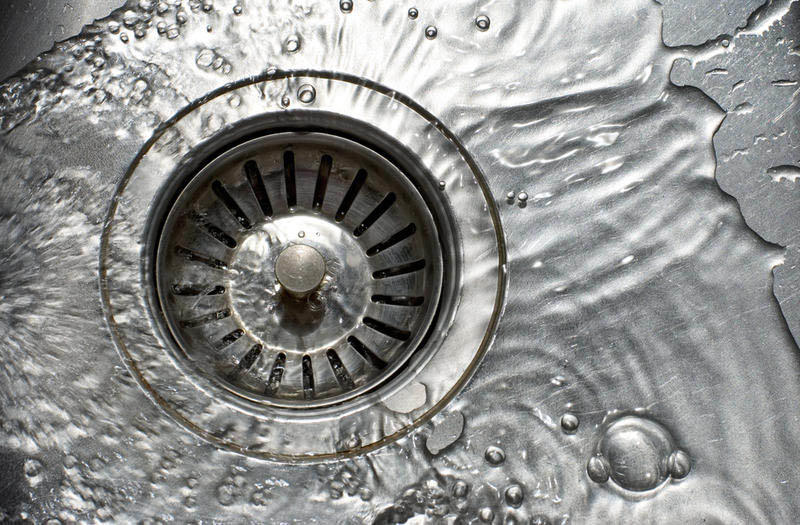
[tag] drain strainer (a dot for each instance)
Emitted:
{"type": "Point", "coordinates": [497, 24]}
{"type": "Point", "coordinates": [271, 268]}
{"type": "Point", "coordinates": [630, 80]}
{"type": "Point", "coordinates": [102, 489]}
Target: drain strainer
{"type": "Point", "coordinates": [301, 269]}
{"type": "Point", "coordinates": [306, 283]}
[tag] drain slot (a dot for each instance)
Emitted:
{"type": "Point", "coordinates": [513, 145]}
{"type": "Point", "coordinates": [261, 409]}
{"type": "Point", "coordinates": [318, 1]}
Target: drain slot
{"type": "Point", "coordinates": [289, 177]}
{"type": "Point", "coordinates": [350, 196]}
{"type": "Point", "coordinates": [375, 214]}
{"type": "Point", "coordinates": [395, 238]}
{"type": "Point", "coordinates": [367, 354]}
{"type": "Point", "coordinates": [253, 175]}
{"type": "Point", "coordinates": [322, 181]}
{"type": "Point", "coordinates": [226, 199]}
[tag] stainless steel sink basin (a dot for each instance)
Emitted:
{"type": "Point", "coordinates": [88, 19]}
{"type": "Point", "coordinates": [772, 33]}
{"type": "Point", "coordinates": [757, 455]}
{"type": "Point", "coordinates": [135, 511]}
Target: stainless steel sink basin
{"type": "Point", "coordinates": [376, 262]}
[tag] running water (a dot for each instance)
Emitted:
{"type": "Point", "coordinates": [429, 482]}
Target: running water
{"type": "Point", "coordinates": [636, 293]}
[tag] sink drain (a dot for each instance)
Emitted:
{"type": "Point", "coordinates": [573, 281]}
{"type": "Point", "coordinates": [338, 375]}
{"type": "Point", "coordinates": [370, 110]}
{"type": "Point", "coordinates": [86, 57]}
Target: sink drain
{"type": "Point", "coordinates": [300, 284]}
{"type": "Point", "coordinates": [304, 269]}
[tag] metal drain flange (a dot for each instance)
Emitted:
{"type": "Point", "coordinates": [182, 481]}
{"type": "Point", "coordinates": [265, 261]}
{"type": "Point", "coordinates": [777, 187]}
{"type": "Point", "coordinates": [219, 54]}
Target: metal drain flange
{"type": "Point", "coordinates": [301, 284]}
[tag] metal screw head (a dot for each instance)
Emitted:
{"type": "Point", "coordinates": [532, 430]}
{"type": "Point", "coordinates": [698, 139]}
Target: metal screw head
{"type": "Point", "coordinates": [300, 269]}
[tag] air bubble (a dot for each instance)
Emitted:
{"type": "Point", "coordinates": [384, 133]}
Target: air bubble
{"type": "Point", "coordinates": [494, 455]}
{"type": "Point", "coordinates": [413, 13]}
{"type": "Point", "coordinates": [638, 454]}
{"type": "Point", "coordinates": [292, 44]}
{"type": "Point", "coordinates": [598, 468]}
{"type": "Point", "coordinates": [514, 495]}
{"type": "Point", "coordinates": [460, 489]}
{"type": "Point", "coordinates": [431, 32]}
{"type": "Point", "coordinates": [346, 6]}
{"type": "Point", "coordinates": [482, 23]}
{"type": "Point", "coordinates": [205, 58]}
{"type": "Point", "coordinates": [569, 422]}
{"type": "Point", "coordinates": [306, 93]}
{"type": "Point", "coordinates": [679, 464]}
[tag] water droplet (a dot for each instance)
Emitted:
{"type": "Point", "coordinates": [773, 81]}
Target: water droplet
{"type": "Point", "coordinates": [346, 6]}
{"type": "Point", "coordinates": [209, 28]}
{"type": "Point", "coordinates": [124, 38]}
{"type": "Point", "coordinates": [514, 495]}
{"type": "Point", "coordinates": [181, 17]}
{"type": "Point", "coordinates": [208, 5]}
{"type": "Point", "coordinates": [129, 18]}
{"type": "Point", "coordinates": [511, 197]}
{"type": "Point", "coordinates": [569, 422]}
{"type": "Point", "coordinates": [540, 520]}
{"type": "Point", "coordinates": [162, 8]}
{"type": "Point", "coordinates": [204, 58]}
{"type": "Point", "coordinates": [139, 32]}
{"type": "Point", "coordinates": [413, 13]}
{"type": "Point", "coordinates": [486, 515]}
{"type": "Point", "coordinates": [292, 44]}
{"type": "Point", "coordinates": [285, 101]}
{"type": "Point", "coordinates": [442, 185]}
{"type": "Point", "coordinates": [726, 43]}
{"type": "Point", "coordinates": [301, 234]}
{"type": "Point", "coordinates": [161, 27]}
{"type": "Point", "coordinates": [237, 10]}
{"type": "Point", "coordinates": [365, 494]}
{"type": "Point", "coordinates": [113, 27]}
{"type": "Point", "coordinates": [173, 32]}
{"type": "Point", "coordinates": [460, 489]}
{"type": "Point", "coordinates": [483, 22]}
{"type": "Point", "coordinates": [494, 455]}
{"type": "Point", "coordinates": [679, 464]}
{"type": "Point", "coordinates": [146, 5]}
{"type": "Point", "coordinates": [522, 197]}
{"type": "Point", "coordinates": [598, 468]}
{"type": "Point", "coordinates": [306, 93]}
{"type": "Point", "coordinates": [638, 454]}
{"type": "Point", "coordinates": [431, 32]}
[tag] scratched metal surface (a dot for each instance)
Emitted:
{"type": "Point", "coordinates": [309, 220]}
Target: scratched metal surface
{"type": "Point", "coordinates": [644, 337]}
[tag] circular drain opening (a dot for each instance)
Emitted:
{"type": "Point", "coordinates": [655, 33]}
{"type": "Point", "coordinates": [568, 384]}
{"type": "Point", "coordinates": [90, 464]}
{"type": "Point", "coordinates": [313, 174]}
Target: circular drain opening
{"type": "Point", "coordinates": [300, 269]}
{"type": "Point", "coordinates": [220, 271]}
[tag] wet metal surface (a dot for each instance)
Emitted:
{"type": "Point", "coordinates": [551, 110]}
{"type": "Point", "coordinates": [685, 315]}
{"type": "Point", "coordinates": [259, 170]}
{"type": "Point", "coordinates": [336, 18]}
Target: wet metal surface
{"type": "Point", "coordinates": [644, 368]}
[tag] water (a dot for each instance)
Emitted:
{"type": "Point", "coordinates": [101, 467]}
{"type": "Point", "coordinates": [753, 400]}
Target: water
{"type": "Point", "coordinates": [636, 290]}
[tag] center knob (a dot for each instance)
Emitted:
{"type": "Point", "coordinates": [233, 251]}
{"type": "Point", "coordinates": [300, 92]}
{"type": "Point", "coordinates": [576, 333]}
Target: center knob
{"type": "Point", "coordinates": [300, 269]}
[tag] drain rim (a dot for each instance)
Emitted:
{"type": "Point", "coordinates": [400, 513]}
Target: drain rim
{"type": "Point", "coordinates": [265, 434]}
{"type": "Point", "coordinates": [158, 236]}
